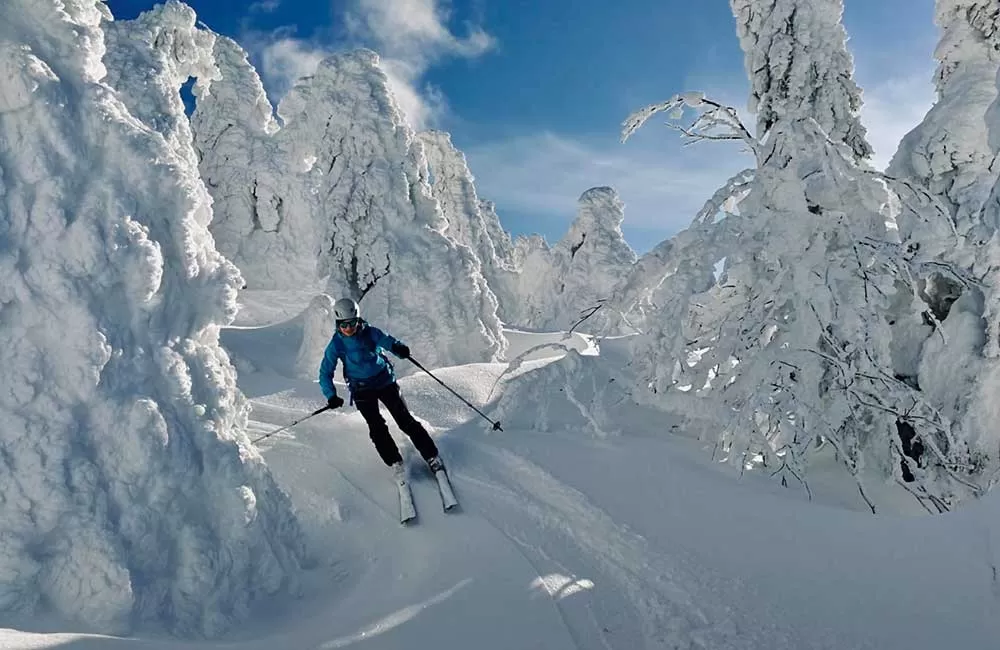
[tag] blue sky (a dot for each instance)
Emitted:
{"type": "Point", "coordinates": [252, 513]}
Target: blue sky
{"type": "Point", "coordinates": [534, 91]}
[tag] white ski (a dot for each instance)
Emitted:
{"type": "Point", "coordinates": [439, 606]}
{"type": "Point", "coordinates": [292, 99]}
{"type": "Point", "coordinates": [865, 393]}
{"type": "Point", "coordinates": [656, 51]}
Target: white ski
{"type": "Point", "coordinates": [407, 511]}
{"type": "Point", "coordinates": [448, 500]}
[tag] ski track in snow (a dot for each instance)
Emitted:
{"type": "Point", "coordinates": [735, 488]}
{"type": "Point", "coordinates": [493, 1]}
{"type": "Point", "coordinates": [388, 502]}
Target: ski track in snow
{"type": "Point", "coordinates": [609, 589]}
{"type": "Point", "coordinates": [663, 615]}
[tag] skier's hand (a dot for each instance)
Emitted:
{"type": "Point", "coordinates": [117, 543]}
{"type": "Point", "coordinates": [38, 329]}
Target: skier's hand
{"type": "Point", "coordinates": [335, 402]}
{"type": "Point", "coordinates": [401, 350]}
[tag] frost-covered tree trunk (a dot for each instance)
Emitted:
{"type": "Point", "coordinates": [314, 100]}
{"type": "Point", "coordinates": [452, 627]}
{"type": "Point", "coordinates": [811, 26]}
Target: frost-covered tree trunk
{"type": "Point", "coordinates": [799, 67]}
{"type": "Point", "coordinates": [129, 492]}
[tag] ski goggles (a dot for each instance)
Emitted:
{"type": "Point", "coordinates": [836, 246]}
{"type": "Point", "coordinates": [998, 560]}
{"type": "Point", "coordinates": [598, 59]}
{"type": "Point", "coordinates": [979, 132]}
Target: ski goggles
{"type": "Point", "coordinates": [350, 322]}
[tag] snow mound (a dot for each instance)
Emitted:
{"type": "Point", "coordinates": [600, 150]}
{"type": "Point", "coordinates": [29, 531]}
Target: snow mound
{"type": "Point", "coordinates": [131, 495]}
{"type": "Point", "coordinates": [317, 329]}
{"type": "Point", "coordinates": [576, 394]}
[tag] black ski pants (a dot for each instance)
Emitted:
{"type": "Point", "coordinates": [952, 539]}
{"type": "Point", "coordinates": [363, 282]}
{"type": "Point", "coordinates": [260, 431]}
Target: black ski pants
{"type": "Point", "coordinates": [367, 403]}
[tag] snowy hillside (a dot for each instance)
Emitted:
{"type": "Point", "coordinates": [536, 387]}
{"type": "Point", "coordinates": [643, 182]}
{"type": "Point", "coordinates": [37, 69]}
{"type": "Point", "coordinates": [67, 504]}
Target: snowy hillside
{"type": "Point", "coordinates": [582, 531]}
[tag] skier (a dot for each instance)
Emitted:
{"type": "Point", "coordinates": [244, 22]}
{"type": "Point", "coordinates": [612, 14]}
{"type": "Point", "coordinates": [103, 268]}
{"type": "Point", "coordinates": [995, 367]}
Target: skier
{"type": "Point", "coordinates": [371, 379]}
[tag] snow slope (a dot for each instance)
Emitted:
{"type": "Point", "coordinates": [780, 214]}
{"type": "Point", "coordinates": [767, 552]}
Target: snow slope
{"type": "Point", "coordinates": [577, 536]}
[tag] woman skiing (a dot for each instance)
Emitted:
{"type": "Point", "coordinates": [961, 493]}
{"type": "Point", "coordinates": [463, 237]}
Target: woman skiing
{"type": "Point", "coordinates": [370, 378]}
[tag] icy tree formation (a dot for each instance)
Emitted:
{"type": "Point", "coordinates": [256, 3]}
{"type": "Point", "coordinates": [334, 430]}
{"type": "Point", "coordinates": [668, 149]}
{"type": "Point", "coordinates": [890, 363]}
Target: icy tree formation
{"type": "Point", "coordinates": [470, 221]}
{"type": "Point", "coordinates": [805, 341]}
{"type": "Point", "coordinates": [556, 287]}
{"type": "Point", "coordinates": [587, 263]}
{"type": "Point", "coordinates": [129, 494]}
{"type": "Point", "coordinates": [341, 192]}
{"type": "Point", "coordinates": [949, 153]}
{"type": "Point", "coordinates": [799, 66]}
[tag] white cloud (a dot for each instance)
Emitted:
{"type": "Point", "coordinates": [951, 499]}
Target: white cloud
{"type": "Point", "coordinates": [284, 60]}
{"type": "Point", "coordinates": [662, 184]}
{"type": "Point", "coordinates": [410, 36]}
{"type": "Point", "coordinates": [264, 6]}
{"type": "Point", "coordinates": [420, 107]}
{"type": "Point", "coordinates": [415, 31]}
{"type": "Point", "coordinates": [894, 107]}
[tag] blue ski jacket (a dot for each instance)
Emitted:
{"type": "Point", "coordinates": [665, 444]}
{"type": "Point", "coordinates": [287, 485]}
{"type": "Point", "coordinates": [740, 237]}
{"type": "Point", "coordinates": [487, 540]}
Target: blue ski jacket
{"type": "Point", "coordinates": [365, 365]}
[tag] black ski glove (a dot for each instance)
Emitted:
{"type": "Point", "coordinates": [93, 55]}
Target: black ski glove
{"type": "Point", "coordinates": [401, 350]}
{"type": "Point", "coordinates": [335, 402]}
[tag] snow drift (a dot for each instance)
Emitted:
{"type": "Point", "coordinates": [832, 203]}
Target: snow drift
{"type": "Point", "coordinates": [130, 494]}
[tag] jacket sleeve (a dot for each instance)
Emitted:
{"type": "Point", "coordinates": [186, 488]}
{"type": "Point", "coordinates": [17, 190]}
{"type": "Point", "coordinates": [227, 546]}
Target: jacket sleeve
{"type": "Point", "coordinates": [326, 369]}
{"type": "Point", "coordinates": [383, 340]}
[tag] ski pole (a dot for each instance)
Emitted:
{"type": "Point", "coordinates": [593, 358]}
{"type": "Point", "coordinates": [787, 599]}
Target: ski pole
{"type": "Point", "coordinates": [289, 426]}
{"type": "Point", "coordinates": [496, 425]}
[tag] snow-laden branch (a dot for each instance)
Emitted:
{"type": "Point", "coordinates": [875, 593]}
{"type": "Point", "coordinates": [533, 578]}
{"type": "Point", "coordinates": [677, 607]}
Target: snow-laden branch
{"type": "Point", "coordinates": [714, 122]}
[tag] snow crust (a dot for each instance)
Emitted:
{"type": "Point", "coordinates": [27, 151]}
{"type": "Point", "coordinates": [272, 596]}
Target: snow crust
{"type": "Point", "coordinates": [129, 493]}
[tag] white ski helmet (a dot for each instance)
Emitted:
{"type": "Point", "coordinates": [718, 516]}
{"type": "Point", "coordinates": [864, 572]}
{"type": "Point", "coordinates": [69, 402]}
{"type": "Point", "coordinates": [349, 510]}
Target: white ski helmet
{"type": "Point", "coordinates": [346, 309]}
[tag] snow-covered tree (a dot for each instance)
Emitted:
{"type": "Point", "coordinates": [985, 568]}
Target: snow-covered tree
{"type": "Point", "coordinates": [340, 192]}
{"type": "Point", "coordinates": [536, 285]}
{"type": "Point", "coordinates": [263, 220]}
{"type": "Point", "coordinates": [381, 231]}
{"type": "Point", "coordinates": [941, 335]}
{"type": "Point", "coordinates": [557, 287]}
{"type": "Point", "coordinates": [949, 152]}
{"type": "Point", "coordinates": [470, 221]}
{"type": "Point", "coordinates": [799, 68]}
{"type": "Point", "coordinates": [129, 492]}
{"type": "Point", "coordinates": [588, 262]}
{"type": "Point", "coordinates": [791, 350]}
